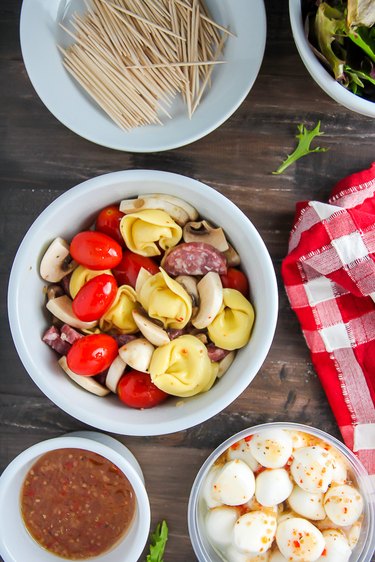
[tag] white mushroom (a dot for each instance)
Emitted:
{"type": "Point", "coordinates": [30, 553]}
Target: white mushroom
{"type": "Point", "coordinates": [178, 214]}
{"type": "Point", "coordinates": [233, 259]}
{"type": "Point", "coordinates": [189, 283]}
{"type": "Point", "coordinates": [137, 354]}
{"type": "Point", "coordinates": [203, 231]}
{"type": "Point", "coordinates": [210, 292]}
{"type": "Point", "coordinates": [61, 307]}
{"type": "Point", "coordinates": [151, 331]}
{"type": "Point", "coordinates": [56, 262]}
{"type": "Point", "coordinates": [142, 277]}
{"type": "Point", "coordinates": [190, 210]}
{"type": "Point", "coordinates": [115, 372]}
{"type": "Point", "coordinates": [88, 383]}
{"type": "Point", "coordinates": [225, 363]}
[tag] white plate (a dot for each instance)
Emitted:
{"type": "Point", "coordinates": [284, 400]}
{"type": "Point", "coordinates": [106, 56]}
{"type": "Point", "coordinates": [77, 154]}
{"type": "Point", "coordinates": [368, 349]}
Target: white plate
{"type": "Point", "coordinates": [40, 33]}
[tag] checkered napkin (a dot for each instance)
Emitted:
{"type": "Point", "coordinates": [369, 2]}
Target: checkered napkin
{"type": "Point", "coordinates": [329, 276]}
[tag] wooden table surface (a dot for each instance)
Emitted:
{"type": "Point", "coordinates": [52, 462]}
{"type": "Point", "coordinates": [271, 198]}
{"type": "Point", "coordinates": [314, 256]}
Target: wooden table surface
{"type": "Point", "coordinates": [40, 159]}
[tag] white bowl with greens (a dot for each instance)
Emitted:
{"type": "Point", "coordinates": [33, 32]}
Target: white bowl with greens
{"type": "Point", "coordinates": [337, 47]}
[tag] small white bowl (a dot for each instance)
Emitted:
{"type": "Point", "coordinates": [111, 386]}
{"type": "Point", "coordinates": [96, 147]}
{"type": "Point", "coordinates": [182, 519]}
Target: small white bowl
{"type": "Point", "coordinates": [364, 549]}
{"type": "Point", "coordinates": [317, 70]}
{"type": "Point", "coordinates": [17, 545]}
{"type": "Point", "coordinates": [75, 210]}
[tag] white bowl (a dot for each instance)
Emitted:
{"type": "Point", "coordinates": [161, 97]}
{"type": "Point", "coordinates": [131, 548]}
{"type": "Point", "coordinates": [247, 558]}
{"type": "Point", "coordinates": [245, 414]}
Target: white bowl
{"type": "Point", "coordinates": [40, 33]}
{"type": "Point", "coordinates": [17, 545]}
{"type": "Point", "coordinates": [364, 549]}
{"type": "Point", "coordinates": [317, 70]}
{"type": "Point", "coordinates": [76, 210]}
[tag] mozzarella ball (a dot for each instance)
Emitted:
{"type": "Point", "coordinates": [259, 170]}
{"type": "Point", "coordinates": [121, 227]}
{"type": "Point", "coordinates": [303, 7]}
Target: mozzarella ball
{"type": "Point", "coordinates": [306, 504]}
{"type": "Point", "coordinates": [254, 532]}
{"type": "Point", "coordinates": [353, 534]}
{"type": "Point", "coordinates": [272, 486]}
{"type": "Point", "coordinates": [299, 439]}
{"type": "Point", "coordinates": [272, 447]}
{"type": "Point", "coordinates": [337, 548]}
{"type": "Point", "coordinates": [209, 494]}
{"type": "Point", "coordinates": [325, 524]}
{"type": "Point", "coordinates": [235, 483]}
{"type": "Point", "coordinates": [219, 525]}
{"type": "Point", "coordinates": [298, 540]}
{"type": "Point", "coordinates": [343, 504]}
{"type": "Point", "coordinates": [241, 450]}
{"type": "Point", "coordinates": [234, 555]}
{"type": "Point", "coordinates": [276, 556]}
{"type": "Point", "coordinates": [283, 516]}
{"type": "Point", "coordinates": [339, 470]}
{"type": "Point", "coordinates": [312, 469]}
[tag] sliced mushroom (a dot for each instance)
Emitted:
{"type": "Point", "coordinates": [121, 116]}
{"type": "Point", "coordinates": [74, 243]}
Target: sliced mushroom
{"type": "Point", "coordinates": [137, 354]}
{"type": "Point", "coordinates": [189, 283]}
{"type": "Point", "coordinates": [151, 331]}
{"type": "Point", "coordinates": [61, 307]}
{"type": "Point", "coordinates": [225, 363]}
{"type": "Point", "coordinates": [115, 372]}
{"type": "Point", "coordinates": [233, 259]}
{"type": "Point", "coordinates": [210, 292]}
{"type": "Point", "coordinates": [57, 261]}
{"type": "Point", "coordinates": [189, 209]}
{"type": "Point", "coordinates": [178, 214]}
{"type": "Point", "coordinates": [142, 277]}
{"type": "Point", "coordinates": [203, 231]}
{"type": "Point", "coordinates": [88, 383]}
{"type": "Point", "coordinates": [54, 291]}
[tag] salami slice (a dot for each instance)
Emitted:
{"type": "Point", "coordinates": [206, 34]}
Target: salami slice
{"type": "Point", "coordinates": [194, 258]}
{"type": "Point", "coordinates": [216, 353]}
{"type": "Point", "coordinates": [69, 334]}
{"type": "Point", "coordinates": [52, 338]}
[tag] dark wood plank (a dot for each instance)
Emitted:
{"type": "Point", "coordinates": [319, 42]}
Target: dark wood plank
{"type": "Point", "coordinates": [40, 159]}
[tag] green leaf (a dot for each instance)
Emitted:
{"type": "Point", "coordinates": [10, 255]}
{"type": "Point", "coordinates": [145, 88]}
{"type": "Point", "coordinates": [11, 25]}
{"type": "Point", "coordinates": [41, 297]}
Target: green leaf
{"type": "Point", "coordinates": [330, 26]}
{"type": "Point", "coordinates": [305, 137]}
{"type": "Point", "coordinates": [158, 542]}
{"type": "Point", "coordinates": [364, 38]}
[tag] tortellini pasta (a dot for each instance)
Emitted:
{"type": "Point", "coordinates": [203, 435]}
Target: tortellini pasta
{"type": "Point", "coordinates": [119, 316]}
{"type": "Point", "coordinates": [182, 367]}
{"type": "Point", "coordinates": [166, 300]}
{"type": "Point", "coordinates": [231, 328]}
{"type": "Point", "coordinates": [80, 276]}
{"type": "Point", "coordinates": [142, 231]}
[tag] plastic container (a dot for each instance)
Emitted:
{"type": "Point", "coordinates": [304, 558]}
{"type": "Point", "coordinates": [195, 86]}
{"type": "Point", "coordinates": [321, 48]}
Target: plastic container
{"type": "Point", "coordinates": [204, 551]}
{"type": "Point", "coordinates": [17, 545]}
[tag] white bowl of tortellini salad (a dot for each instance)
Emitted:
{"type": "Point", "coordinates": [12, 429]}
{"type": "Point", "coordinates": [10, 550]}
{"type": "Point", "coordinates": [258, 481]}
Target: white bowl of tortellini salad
{"type": "Point", "coordinates": [142, 302]}
{"type": "Point", "coordinates": [282, 492]}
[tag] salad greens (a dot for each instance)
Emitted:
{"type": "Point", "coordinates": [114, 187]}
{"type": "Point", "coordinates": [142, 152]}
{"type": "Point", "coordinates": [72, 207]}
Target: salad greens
{"type": "Point", "coordinates": [305, 137]}
{"type": "Point", "coordinates": [158, 542]}
{"type": "Point", "coordinates": [342, 33]}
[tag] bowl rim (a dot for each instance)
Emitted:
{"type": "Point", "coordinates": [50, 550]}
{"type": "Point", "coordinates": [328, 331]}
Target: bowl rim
{"type": "Point", "coordinates": [30, 455]}
{"type": "Point", "coordinates": [319, 73]}
{"type": "Point", "coordinates": [362, 477]}
{"type": "Point", "coordinates": [164, 427]}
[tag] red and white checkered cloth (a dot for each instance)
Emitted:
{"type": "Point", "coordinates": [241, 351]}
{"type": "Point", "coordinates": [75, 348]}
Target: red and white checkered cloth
{"type": "Point", "coordinates": [329, 276]}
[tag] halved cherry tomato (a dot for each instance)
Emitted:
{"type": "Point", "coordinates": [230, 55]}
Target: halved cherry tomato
{"type": "Point", "coordinates": [95, 250]}
{"type": "Point", "coordinates": [108, 221]}
{"type": "Point", "coordinates": [235, 279]}
{"type": "Point", "coordinates": [126, 272]}
{"type": "Point", "coordinates": [92, 354]}
{"type": "Point", "coordinates": [137, 390]}
{"type": "Point", "coordinates": [95, 297]}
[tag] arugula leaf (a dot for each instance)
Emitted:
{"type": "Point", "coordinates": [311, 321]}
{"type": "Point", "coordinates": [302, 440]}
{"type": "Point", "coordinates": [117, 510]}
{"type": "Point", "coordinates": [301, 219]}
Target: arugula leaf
{"type": "Point", "coordinates": [305, 137]}
{"type": "Point", "coordinates": [364, 38]}
{"type": "Point", "coordinates": [158, 542]}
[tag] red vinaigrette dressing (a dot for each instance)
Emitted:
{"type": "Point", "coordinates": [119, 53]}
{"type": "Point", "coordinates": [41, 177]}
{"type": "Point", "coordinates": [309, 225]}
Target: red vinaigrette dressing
{"type": "Point", "coordinates": [76, 503]}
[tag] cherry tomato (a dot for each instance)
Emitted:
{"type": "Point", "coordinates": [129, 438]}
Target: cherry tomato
{"type": "Point", "coordinates": [137, 390]}
{"type": "Point", "coordinates": [126, 272]}
{"type": "Point", "coordinates": [95, 297]}
{"type": "Point", "coordinates": [92, 354]}
{"type": "Point", "coordinates": [235, 279]}
{"type": "Point", "coordinates": [108, 221]}
{"type": "Point", "coordinates": [95, 250]}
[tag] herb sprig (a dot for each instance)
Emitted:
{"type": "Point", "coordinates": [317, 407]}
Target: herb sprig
{"type": "Point", "coordinates": [158, 542]}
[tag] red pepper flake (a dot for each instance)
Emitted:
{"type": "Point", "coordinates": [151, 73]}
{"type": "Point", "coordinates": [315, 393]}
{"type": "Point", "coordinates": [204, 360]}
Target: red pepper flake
{"type": "Point", "coordinates": [235, 446]}
{"type": "Point", "coordinates": [296, 544]}
{"type": "Point", "coordinates": [248, 438]}
{"type": "Point", "coordinates": [324, 553]}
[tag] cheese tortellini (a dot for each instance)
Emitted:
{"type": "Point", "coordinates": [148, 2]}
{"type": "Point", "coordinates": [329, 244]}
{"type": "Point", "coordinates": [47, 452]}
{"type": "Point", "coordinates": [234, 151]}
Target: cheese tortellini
{"type": "Point", "coordinates": [81, 275]}
{"type": "Point", "coordinates": [166, 300]}
{"type": "Point", "coordinates": [119, 316]}
{"type": "Point", "coordinates": [182, 367]}
{"type": "Point", "coordinates": [142, 231]}
{"type": "Point", "coordinates": [231, 328]}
